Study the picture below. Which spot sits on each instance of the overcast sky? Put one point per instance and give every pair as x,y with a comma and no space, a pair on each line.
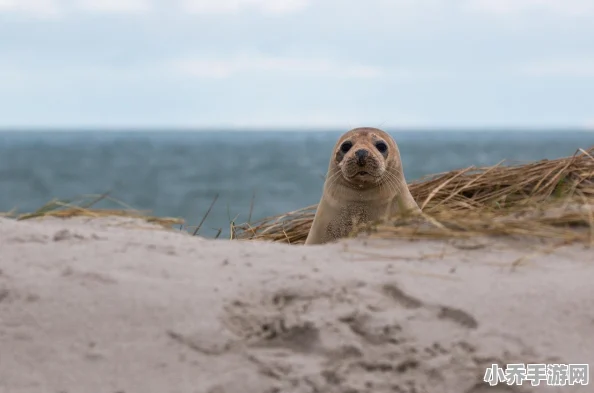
296,63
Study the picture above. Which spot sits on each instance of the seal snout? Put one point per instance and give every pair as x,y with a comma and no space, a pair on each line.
361,155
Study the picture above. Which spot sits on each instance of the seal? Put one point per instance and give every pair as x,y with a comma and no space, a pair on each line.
364,183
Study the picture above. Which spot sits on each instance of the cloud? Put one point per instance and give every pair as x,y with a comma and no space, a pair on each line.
60,7
114,6
344,119
516,7
202,68
39,8
232,6
56,8
402,10
582,68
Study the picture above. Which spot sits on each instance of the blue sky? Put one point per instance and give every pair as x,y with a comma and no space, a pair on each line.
296,63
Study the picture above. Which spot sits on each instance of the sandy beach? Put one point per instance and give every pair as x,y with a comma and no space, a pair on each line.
120,306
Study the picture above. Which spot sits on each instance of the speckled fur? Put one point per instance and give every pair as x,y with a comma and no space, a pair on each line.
348,200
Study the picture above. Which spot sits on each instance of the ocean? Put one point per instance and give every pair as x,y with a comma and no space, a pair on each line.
179,173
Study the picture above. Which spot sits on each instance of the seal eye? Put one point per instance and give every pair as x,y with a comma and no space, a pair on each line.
346,146
381,147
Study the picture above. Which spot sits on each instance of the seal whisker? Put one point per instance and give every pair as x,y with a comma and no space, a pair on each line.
396,179
333,178
391,182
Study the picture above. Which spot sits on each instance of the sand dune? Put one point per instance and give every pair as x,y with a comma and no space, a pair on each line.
117,305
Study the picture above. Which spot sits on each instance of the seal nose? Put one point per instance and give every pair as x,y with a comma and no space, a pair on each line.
361,155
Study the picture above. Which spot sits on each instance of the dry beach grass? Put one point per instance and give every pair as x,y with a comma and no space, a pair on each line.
547,199
84,207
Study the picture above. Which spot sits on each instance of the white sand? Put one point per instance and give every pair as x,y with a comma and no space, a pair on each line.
115,305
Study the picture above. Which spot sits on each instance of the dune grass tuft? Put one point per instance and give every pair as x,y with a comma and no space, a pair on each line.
83,206
547,199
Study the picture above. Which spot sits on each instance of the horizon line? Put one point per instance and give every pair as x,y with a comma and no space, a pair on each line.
508,128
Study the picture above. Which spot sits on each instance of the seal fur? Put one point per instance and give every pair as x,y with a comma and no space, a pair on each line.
364,183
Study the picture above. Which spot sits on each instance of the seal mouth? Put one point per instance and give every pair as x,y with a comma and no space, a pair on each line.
363,176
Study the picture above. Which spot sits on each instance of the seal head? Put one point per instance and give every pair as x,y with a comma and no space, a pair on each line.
365,182
365,158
